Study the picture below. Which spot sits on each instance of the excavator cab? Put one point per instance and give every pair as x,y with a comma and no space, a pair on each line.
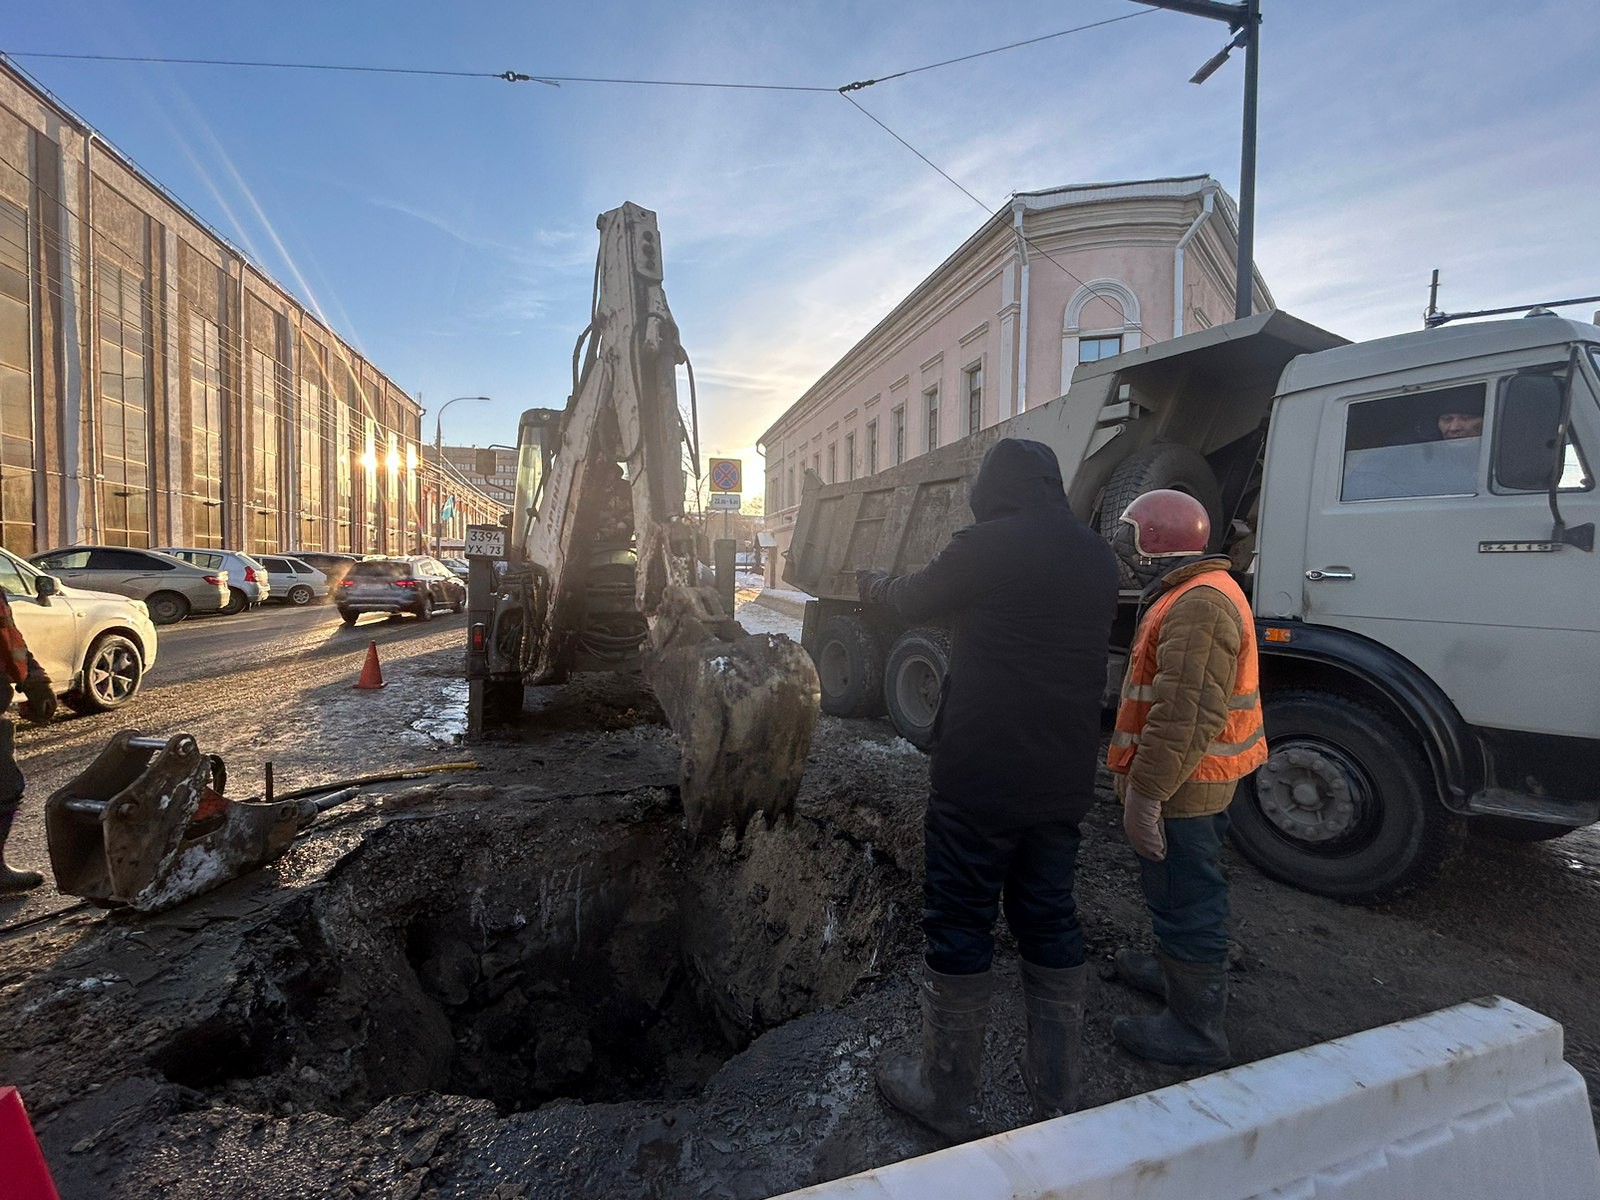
537,435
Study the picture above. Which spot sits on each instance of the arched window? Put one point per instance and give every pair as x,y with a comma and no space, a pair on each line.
1102,319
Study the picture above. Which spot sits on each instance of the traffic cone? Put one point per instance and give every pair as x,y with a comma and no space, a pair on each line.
371,674
22,1166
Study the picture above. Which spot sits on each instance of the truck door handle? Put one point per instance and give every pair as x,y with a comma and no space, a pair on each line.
1330,573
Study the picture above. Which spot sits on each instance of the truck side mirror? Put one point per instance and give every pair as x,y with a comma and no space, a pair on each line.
1525,439
486,463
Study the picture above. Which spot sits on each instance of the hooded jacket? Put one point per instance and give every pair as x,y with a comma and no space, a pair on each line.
1030,593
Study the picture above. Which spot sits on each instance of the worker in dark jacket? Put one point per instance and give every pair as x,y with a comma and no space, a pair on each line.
1030,592
1188,729
18,671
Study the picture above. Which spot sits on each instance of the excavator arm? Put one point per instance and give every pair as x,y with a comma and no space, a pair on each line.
604,575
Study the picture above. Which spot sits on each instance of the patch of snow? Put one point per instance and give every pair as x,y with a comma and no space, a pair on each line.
757,618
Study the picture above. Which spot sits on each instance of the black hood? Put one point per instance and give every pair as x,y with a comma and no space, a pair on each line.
1016,474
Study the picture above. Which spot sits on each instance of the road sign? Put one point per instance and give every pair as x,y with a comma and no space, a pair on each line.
486,541
724,501
727,475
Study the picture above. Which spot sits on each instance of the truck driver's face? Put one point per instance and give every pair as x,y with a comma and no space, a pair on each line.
1460,425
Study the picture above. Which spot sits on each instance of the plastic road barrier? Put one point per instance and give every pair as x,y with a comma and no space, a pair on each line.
1468,1103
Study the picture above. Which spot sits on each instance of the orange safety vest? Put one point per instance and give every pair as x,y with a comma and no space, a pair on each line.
13,649
1241,747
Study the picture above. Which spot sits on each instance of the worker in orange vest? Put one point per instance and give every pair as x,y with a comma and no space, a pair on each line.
1188,729
21,673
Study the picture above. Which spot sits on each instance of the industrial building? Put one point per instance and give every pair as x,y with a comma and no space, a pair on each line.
156,388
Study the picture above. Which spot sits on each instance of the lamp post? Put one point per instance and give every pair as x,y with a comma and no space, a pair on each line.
1244,20
438,467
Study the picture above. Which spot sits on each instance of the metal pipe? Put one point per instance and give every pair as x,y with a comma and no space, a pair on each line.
1244,280
1177,259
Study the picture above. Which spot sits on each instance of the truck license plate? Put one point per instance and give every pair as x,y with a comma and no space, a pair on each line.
486,541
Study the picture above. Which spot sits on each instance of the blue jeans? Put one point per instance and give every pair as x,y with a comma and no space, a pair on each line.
970,866
1186,892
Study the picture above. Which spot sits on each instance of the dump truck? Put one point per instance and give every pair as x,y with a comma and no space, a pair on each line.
1413,518
597,569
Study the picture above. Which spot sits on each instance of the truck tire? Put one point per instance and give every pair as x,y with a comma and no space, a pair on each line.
913,682
850,668
1345,806
1161,465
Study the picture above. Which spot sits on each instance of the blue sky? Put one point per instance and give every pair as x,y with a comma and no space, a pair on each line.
446,226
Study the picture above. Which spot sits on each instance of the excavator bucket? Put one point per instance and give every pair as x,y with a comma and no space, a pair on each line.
744,707
146,826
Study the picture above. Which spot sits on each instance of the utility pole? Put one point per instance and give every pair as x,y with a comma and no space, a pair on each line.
438,469
1244,20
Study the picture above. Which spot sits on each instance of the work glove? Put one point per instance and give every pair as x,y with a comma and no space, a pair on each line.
1141,821
873,586
41,694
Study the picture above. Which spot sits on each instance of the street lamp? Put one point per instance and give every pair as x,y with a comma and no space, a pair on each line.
1244,20
438,466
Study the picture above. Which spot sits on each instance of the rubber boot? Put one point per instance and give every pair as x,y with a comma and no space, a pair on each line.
1141,969
13,880
939,1087
1052,1060
1190,1032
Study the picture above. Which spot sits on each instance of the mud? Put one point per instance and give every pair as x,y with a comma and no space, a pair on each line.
533,984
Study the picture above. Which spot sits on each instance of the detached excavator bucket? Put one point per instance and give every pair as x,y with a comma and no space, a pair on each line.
744,707
146,825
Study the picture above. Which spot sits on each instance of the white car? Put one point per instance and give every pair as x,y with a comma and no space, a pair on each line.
294,580
95,646
247,578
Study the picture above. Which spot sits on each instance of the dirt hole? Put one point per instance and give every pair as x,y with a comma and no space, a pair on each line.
529,954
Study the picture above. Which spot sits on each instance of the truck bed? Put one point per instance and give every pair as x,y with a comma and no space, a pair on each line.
1211,390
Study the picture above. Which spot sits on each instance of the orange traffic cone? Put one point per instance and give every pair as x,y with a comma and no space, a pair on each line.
22,1166
371,674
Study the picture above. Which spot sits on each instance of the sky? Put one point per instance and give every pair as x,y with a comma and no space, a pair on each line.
445,226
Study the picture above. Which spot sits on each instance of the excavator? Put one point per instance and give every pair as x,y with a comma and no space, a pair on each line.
598,566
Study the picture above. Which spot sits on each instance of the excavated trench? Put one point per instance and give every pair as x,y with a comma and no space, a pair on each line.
573,950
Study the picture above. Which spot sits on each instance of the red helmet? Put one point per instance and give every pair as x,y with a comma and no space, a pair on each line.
1168,524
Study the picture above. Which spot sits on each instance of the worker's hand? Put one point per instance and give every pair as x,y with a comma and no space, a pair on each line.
41,694
872,586
1141,821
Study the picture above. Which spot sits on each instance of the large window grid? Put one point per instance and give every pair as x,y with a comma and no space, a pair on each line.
266,431
205,432
16,385
123,432
311,433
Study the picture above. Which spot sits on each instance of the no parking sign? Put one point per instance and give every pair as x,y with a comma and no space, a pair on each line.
727,475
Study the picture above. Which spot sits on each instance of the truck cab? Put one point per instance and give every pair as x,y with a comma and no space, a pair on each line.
1426,591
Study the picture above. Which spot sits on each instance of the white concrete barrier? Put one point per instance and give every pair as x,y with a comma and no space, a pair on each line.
1469,1103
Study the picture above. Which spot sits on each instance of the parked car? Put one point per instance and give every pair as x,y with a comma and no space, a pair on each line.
458,566
95,646
170,588
294,581
415,585
332,565
247,578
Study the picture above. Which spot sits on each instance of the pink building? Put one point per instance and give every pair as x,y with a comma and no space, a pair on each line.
1064,276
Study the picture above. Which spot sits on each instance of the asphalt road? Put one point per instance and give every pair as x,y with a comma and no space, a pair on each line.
275,685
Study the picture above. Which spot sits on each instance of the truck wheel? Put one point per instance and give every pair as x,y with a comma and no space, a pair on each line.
1517,829
1162,465
850,666
1345,806
913,680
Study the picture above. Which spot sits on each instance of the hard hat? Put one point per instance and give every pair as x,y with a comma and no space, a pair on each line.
1167,524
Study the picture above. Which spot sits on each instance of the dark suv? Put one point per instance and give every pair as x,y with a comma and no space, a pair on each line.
395,585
